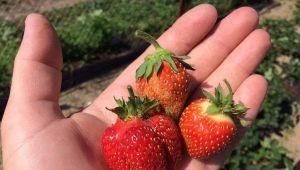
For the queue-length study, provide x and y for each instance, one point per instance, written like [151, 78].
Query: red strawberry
[163, 77]
[166, 129]
[207, 124]
[135, 142]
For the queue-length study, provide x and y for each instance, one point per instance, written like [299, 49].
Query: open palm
[35, 135]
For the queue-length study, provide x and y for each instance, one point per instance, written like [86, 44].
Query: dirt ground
[13, 9]
[82, 95]
[291, 137]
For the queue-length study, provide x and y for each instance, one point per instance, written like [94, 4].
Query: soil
[80, 96]
[290, 138]
[14, 9]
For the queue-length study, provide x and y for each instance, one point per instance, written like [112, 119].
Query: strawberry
[137, 141]
[167, 131]
[208, 124]
[163, 77]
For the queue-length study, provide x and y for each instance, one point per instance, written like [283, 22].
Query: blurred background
[98, 43]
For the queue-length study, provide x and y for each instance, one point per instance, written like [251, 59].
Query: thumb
[36, 74]
[36, 81]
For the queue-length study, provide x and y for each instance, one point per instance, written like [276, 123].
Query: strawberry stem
[148, 38]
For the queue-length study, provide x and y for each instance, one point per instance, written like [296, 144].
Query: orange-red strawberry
[163, 77]
[207, 124]
[136, 141]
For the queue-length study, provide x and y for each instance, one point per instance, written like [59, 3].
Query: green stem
[147, 38]
[130, 90]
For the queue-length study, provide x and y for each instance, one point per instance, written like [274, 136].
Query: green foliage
[223, 7]
[226, 6]
[88, 29]
[293, 71]
[259, 153]
[3, 2]
[93, 27]
[9, 42]
[281, 65]
[78, 42]
[285, 39]
[297, 12]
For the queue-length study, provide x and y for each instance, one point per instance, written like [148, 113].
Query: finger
[33, 100]
[36, 76]
[37, 65]
[241, 63]
[186, 33]
[229, 33]
[251, 92]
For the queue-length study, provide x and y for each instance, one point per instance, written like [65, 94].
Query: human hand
[35, 135]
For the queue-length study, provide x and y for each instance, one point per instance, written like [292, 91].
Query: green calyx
[155, 60]
[223, 103]
[134, 107]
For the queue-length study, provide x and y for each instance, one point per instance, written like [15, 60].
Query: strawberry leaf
[224, 103]
[158, 66]
[229, 87]
[213, 109]
[120, 111]
[172, 63]
[133, 107]
[210, 97]
[149, 69]
[182, 57]
[240, 108]
[219, 93]
[184, 64]
[157, 57]
[245, 123]
[141, 70]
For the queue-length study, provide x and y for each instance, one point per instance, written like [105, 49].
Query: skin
[35, 135]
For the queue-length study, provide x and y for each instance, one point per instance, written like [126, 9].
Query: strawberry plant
[280, 66]
[9, 43]
[226, 6]
[104, 30]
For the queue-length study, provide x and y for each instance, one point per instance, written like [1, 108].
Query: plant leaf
[219, 93]
[172, 64]
[186, 65]
[245, 123]
[133, 107]
[141, 70]
[240, 108]
[158, 66]
[228, 87]
[149, 69]
[208, 95]
[213, 108]
[182, 57]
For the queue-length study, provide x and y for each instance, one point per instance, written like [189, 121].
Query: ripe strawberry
[138, 142]
[207, 124]
[167, 131]
[163, 77]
